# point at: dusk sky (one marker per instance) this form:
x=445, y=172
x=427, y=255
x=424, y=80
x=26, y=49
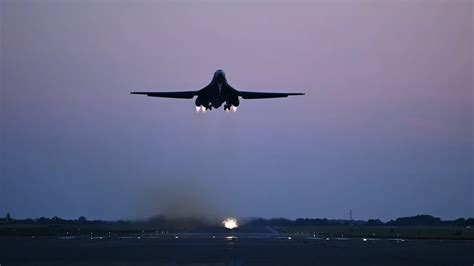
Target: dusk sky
x=385, y=127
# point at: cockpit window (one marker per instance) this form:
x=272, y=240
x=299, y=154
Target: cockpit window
x=219, y=72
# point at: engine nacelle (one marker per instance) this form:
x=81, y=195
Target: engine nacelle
x=231, y=104
x=201, y=101
x=234, y=101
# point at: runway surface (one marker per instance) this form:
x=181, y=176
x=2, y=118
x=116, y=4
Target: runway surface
x=223, y=249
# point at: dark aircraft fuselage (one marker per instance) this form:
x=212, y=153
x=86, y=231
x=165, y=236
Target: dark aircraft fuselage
x=217, y=93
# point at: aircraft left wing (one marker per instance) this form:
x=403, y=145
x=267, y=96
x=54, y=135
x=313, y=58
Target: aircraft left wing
x=170, y=94
x=264, y=95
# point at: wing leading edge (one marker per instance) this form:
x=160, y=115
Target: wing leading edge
x=264, y=95
x=170, y=94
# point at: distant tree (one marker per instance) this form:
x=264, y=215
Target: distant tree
x=82, y=219
x=374, y=222
x=8, y=218
x=469, y=221
x=416, y=220
x=28, y=221
x=460, y=222
x=43, y=220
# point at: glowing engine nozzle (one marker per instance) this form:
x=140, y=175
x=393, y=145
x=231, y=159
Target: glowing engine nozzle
x=201, y=109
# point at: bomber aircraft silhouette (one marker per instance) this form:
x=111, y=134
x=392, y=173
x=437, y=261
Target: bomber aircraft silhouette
x=217, y=93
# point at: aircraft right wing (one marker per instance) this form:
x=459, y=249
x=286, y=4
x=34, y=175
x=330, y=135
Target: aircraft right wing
x=264, y=95
x=170, y=94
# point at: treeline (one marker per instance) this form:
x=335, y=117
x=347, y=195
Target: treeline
x=157, y=221
x=418, y=220
x=54, y=220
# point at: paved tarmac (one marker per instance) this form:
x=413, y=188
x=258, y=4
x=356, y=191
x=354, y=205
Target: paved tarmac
x=242, y=249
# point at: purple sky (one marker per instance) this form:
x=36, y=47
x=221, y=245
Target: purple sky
x=385, y=128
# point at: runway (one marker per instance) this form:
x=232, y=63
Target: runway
x=230, y=249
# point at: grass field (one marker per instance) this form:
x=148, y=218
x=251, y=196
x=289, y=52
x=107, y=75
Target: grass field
x=422, y=232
